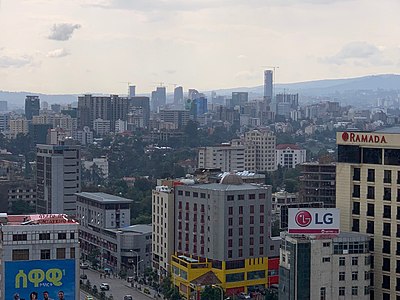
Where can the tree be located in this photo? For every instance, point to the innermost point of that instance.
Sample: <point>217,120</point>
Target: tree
<point>93,257</point>
<point>210,293</point>
<point>21,207</point>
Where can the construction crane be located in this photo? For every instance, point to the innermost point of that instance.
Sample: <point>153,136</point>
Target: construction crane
<point>174,84</point>
<point>160,83</point>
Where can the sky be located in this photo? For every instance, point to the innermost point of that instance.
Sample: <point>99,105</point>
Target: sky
<point>100,46</point>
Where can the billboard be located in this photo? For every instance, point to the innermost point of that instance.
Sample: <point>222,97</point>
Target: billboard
<point>25,277</point>
<point>314,221</point>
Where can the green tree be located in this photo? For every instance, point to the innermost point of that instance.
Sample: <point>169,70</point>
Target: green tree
<point>93,257</point>
<point>21,207</point>
<point>210,293</point>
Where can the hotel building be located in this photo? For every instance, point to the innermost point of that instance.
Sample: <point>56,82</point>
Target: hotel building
<point>368,195</point>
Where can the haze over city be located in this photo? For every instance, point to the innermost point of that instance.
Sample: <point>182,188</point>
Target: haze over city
<point>101,45</point>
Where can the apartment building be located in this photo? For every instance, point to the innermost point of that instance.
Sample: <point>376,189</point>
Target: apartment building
<point>260,150</point>
<point>368,194</point>
<point>290,155</point>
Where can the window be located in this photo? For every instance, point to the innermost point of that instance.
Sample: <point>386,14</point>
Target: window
<point>370,210</point>
<point>240,220</point>
<point>240,197</point>
<point>187,193</point>
<point>372,156</point>
<point>356,174</point>
<point>354,275</point>
<point>392,157</point>
<point>20,254</point>
<point>370,192</point>
<point>387,211</point>
<point>72,235</point>
<point>370,226</point>
<point>366,275</point>
<point>251,219</point>
<point>230,221</point>
<point>252,209</point>
<point>326,244</point>
<point>240,210</point>
<point>366,290</point>
<point>342,276</point>
<point>230,198</point>
<point>45,254</point>
<point>371,175</point>
<point>356,191</point>
<point>354,261</point>
<point>229,253</point>
<point>230,210</point>
<point>342,291</point>
<point>60,253</point>
<point>322,293</point>
<point>255,275</point>
<point>202,195</point>
<point>44,236</point>
<point>62,236</point>
<point>354,290</point>
<point>386,264</point>
<point>386,247</point>
<point>180,193</point>
<point>326,259</point>
<point>20,237</point>
<point>342,261</point>
<point>356,225</point>
<point>261,196</point>
<point>386,229</point>
<point>356,208</point>
<point>234,277</point>
<point>386,282</point>
<point>240,253</point>
<point>72,252</point>
<point>387,176</point>
<point>349,154</point>
<point>230,232</point>
<point>387,194</point>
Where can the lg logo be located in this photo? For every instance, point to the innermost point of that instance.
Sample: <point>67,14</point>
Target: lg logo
<point>303,218</point>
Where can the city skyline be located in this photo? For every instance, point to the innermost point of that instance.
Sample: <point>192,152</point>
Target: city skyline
<point>100,46</point>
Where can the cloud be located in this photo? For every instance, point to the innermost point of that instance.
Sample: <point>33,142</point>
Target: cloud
<point>241,56</point>
<point>358,53</point>
<point>58,53</point>
<point>14,62</point>
<point>63,31</point>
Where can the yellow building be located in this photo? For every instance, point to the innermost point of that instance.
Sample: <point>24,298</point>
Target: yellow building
<point>191,275</point>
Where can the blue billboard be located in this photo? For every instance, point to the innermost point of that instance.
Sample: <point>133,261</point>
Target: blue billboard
<point>38,276</point>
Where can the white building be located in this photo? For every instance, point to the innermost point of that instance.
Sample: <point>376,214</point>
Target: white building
<point>163,228</point>
<point>20,125</point>
<point>227,157</point>
<point>101,163</point>
<point>45,244</point>
<point>290,155</point>
<point>85,136</point>
<point>101,127</point>
<point>121,126</point>
<point>260,150</point>
<point>325,267</point>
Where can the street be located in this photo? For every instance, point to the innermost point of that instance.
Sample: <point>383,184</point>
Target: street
<point>118,287</point>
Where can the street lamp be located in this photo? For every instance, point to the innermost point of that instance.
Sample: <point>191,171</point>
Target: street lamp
<point>137,267</point>
<point>220,289</point>
<point>137,259</point>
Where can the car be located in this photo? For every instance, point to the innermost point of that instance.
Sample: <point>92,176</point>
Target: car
<point>88,297</point>
<point>83,276</point>
<point>244,296</point>
<point>146,291</point>
<point>84,266</point>
<point>128,297</point>
<point>104,287</point>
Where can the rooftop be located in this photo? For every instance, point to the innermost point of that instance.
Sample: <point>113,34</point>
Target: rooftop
<point>286,146</point>
<point>104,198</point>
<point>228,187</point>
<point>394,129</point>
<point>36,219</point>
<point>139,228</point>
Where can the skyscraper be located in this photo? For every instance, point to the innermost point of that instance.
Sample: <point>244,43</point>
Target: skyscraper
<point>58,174</point>
<point>158,98</point>
<point>32,106</point>
<point>268,85</point>
<point>178,95</point>
<point>132,91</point>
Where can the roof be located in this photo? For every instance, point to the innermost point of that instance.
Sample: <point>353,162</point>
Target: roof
<point>230,178</point>
<point>139,228</point>
<point>227,187</point>
<point>394,129</point>
<point>208,278</point>
<point>104,198</point>
<point>290,146</point>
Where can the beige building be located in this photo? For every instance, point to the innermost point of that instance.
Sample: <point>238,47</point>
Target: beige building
<point>228,157</point>
<point>368,195</point>
<point>260,150</point>
<point>17,126</point>
<point>325,268</point>
<point>163,228</point>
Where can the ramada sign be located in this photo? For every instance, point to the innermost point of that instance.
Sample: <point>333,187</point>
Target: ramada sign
<point>363,138</point>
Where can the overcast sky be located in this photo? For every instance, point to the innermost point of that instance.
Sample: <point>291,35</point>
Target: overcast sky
<point>78,46</point>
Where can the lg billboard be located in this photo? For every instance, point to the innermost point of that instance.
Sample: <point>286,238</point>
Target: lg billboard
<point>37,276</point>
<point>314,221</point>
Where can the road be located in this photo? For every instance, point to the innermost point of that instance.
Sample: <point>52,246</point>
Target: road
<point>118,287</point>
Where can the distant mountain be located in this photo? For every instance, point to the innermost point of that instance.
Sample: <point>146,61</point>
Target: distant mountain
<point>328,86</point>
<point>308,88</point>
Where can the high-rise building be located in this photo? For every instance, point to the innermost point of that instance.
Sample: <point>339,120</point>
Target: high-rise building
<point>101,127</point>
<point>32,106</point>
<point>158,98</point>
<point>141,104</point>
<point>268,85</point>
<point>367,180</point>
<point>20,125</point>
<point>4,122</point>
<point>119,110</point>
<point>260,150</point>
<point>132,91</point>
<point>45,245</point>
<point>179,118</point>
<point>325,267</point>
<point>318,183</point>
<point>239,99</point>
<point>178,95</point>
<point>91,108</point>
<point>39,132</point>
<point>84,136</point>
<point>163,228</point>
<point>58,174</point>
<point>222,236</point>
<point>56,108</point>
